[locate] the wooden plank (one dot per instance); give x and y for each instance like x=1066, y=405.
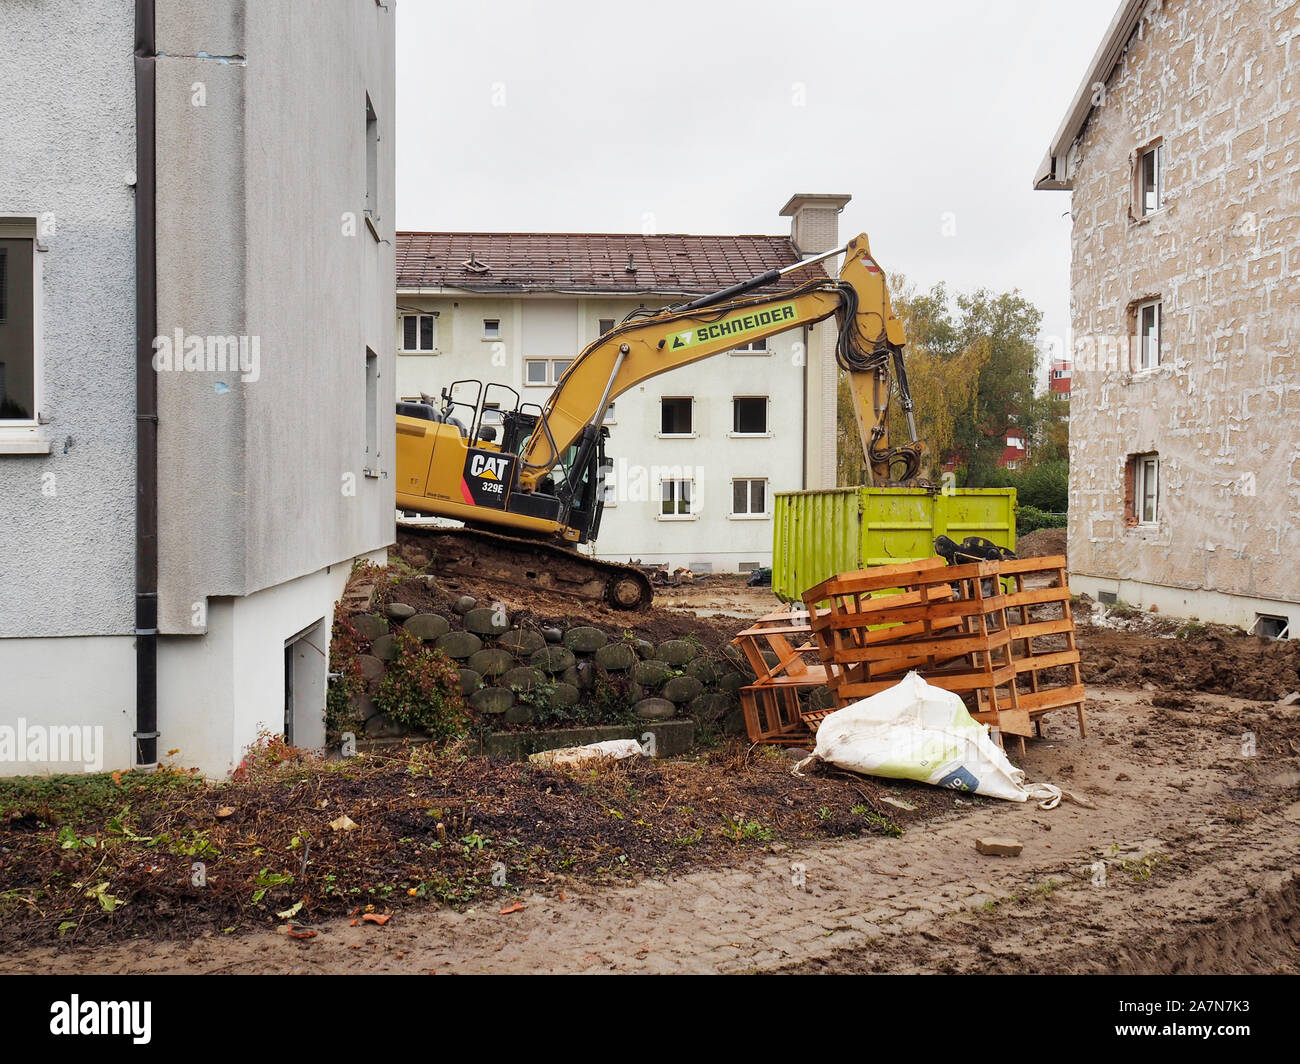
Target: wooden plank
x=1039, y=662
x=1037, y=628
x=1053, y=698
x=956, y=646
x=1048, y=562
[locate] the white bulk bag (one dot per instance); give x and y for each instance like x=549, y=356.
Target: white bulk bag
x=915, y=731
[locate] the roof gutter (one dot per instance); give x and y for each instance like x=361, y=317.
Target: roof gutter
x=1052, y=172
x=146, y=391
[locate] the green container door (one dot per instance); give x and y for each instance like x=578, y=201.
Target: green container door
x=818, y=534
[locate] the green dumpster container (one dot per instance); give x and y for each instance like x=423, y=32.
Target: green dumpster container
x=821, y=533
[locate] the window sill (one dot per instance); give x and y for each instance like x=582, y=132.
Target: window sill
x=749, y=517
x=751, y=354
x=22, y=443
x=490, y=339
x=1136, y=219
x=749, y=435
x=677, y=517
x=434, y=351
x=677, y=435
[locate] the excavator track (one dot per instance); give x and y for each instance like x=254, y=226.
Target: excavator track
x=535, y=563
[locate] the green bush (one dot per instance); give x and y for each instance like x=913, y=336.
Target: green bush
x=1031, y=519
x=421, y=689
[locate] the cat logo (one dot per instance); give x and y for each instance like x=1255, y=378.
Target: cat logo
x=488, y=468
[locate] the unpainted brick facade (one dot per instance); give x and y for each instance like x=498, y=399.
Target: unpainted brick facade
x=1216, y=83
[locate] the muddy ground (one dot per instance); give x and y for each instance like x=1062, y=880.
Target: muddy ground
x=1187, y=863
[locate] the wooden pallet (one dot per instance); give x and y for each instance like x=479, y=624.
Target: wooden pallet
x=785, y=662
x=948, y=623
x=1038, y=611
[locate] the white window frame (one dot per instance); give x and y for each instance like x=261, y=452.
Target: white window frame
x=750, y=349
x=676, y=435
x=751, y=515
x=27, y=435
x=553, y=373
x=1144, y=362
x=766, y=434
x=492, y=329
x=691, y=500
x=613, y=324
x=1156, y=151
x=609, y=484
x=1147, y=467
x=417, y=350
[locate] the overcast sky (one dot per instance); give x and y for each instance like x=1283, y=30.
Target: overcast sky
x=706, y=116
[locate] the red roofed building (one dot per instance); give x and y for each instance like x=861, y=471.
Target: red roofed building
x=697, y=452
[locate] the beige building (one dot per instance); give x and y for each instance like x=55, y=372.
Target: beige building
x=697, y=453
x=1181, y=150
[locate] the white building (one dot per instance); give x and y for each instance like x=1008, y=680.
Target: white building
x=196, y=398
x=697, y=452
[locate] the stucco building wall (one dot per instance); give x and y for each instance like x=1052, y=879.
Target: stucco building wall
x=1216, y=82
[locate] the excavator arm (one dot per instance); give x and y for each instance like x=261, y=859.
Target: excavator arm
x=869, y=348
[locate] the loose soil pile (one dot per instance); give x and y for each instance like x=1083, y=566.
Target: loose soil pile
x=1219, y=662
x=1041, y=544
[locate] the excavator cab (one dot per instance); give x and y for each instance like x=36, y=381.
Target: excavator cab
x=473, y=436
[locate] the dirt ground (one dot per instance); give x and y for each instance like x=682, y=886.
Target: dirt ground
x=1182, y=855
x=1188, y=863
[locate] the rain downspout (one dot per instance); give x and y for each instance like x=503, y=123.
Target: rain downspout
x=146, y=394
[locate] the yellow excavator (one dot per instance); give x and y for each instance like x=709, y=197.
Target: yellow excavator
x=526, y=480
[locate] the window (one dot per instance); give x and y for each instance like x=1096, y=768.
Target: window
x=419, y=332
x=18, y=333
x=675, y=416
x=749, y=498
x=754, y=347
x=372, y=160
x=1149, y=317
x=605, y=325
x=491, y=328
x=749, y=415
x=676, y=497
x=608, y=484
x=1150, y=191
x=1143, y=489
x=545, y=371
x=610, y=417
x=372, y=414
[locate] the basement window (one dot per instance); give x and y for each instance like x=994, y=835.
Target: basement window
x=1271, y=627
x=749, y=415
x=754, y=347
x=419, y=332
x=675, y=416
x=604, y=325
x=491, y=328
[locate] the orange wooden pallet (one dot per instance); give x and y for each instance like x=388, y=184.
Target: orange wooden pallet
x=948, y=623
x=786, y=666
x=1043, y=638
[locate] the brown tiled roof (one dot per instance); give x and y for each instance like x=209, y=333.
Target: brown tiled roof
x=590, y=262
